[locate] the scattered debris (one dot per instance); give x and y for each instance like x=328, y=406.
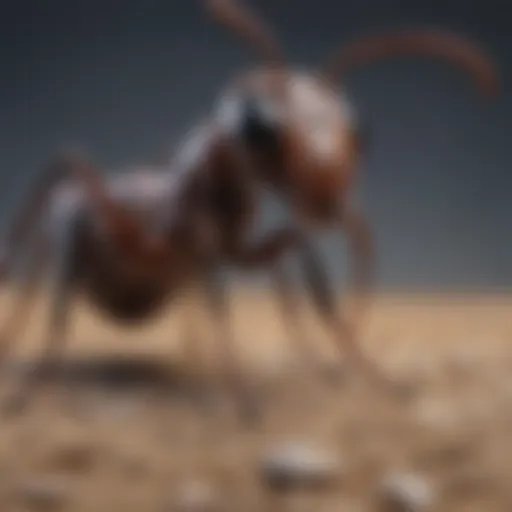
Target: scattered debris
x=405, y=492
x=298, y=464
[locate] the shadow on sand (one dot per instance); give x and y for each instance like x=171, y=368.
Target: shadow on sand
x=119, y=374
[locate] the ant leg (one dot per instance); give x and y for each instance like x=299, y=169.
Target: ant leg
x=25, y=299
x=59, y=316
x=64, y=266
x=290, y=311
x=360, y=240
x=269, y=252
x=326, y=306
x=361, y=245
x=191, y=340
x=218, y=304
x=189, y=330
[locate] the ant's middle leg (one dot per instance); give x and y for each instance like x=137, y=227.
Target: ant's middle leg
x=219, y=306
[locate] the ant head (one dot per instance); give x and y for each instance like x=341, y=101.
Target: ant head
x=297, y=122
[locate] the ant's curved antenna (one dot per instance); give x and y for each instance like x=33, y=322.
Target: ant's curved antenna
x=450, y=47
x=246, y=24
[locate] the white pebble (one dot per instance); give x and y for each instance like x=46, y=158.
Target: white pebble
x=406, y=492
x=299, y=464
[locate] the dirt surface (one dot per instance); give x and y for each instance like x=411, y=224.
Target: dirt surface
x=136, y=419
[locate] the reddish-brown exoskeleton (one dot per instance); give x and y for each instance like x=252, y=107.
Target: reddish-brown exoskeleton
x=298, y=133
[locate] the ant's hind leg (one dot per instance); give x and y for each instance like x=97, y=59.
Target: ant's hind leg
x=24, y=301
x=64, y=266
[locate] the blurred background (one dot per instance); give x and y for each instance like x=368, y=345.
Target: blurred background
x=126, y=79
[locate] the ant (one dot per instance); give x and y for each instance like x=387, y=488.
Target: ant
x=133, y=242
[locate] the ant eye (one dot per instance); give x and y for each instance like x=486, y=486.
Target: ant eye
x=257, y=129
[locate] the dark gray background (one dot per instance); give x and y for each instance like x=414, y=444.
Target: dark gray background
x=127, y=78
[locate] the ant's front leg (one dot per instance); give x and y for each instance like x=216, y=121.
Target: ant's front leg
x=358, y=232
x=269, y=252
x=327, y=306
x=360, y=240
x=289, y=302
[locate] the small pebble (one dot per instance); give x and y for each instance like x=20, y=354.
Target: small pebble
x=405, y=493
x=299, y=465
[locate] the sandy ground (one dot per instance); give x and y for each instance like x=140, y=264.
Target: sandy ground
x=104, y=440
